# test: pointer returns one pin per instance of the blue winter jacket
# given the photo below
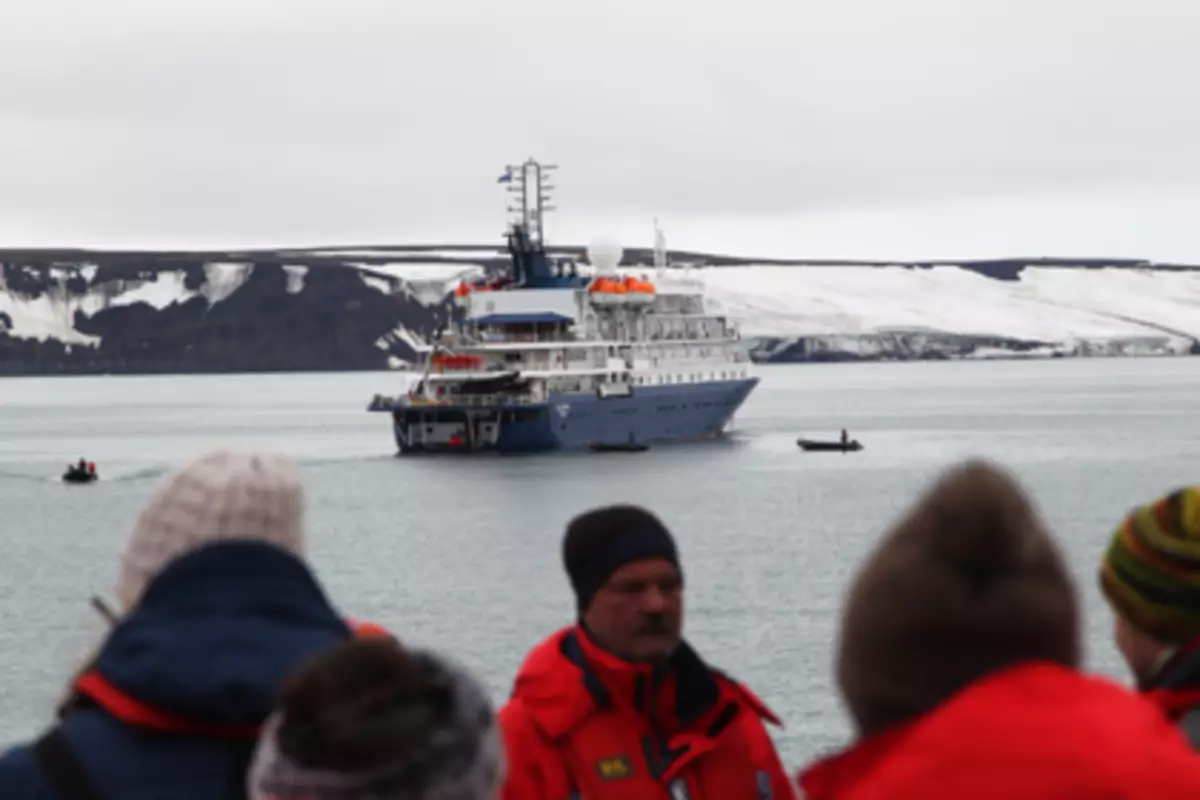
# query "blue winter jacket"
(207, 648)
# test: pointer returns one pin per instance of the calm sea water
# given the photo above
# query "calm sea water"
(464, 554)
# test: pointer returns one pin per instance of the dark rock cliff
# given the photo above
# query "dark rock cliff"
(329, 318)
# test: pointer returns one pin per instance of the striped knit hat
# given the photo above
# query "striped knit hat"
(1151, 571)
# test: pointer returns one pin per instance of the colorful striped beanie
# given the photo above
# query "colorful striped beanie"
(1151, 571)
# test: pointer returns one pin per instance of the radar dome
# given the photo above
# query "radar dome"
(605, 254)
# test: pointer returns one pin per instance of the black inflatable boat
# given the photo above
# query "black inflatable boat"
(618, 447)
(837, 446)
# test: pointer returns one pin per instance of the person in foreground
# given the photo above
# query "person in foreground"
(1151, 577)
(958, 660)
(369, 720)
(618, 705)
(218, 606)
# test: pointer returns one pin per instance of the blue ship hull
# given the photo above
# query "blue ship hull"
(649, 414)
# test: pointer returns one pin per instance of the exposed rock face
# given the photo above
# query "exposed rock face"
(238, 317)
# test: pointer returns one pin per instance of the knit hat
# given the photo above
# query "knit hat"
(221, 495)
(601, 541)
(371, 721)
(968, 582)
(1151, 571)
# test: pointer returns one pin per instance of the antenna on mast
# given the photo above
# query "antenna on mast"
(660, 252)
(528, 181)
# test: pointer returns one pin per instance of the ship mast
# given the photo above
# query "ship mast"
(660, 252)
(529, 182)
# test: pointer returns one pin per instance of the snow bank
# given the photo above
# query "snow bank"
(483, 252)
(168, 289)
(295, 277)
(222, 280)
(419, 271)
(50, 316)
(1047, 304)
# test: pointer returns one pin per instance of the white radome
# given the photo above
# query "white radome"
(604, 254)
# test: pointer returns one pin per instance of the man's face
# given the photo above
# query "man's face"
(638, 613)
(1142, 654)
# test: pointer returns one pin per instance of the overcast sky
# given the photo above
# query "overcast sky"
(856, 128)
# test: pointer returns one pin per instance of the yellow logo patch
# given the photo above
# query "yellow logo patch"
(614, 768)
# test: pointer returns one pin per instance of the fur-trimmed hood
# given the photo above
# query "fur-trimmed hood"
(966, 583)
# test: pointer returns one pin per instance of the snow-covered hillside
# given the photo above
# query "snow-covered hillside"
(112, 311)
(1053, 305)
(1045, 303)
(803, 313)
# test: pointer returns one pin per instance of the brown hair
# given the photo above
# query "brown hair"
(352, 708)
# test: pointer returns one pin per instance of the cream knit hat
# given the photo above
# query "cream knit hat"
(221, 495)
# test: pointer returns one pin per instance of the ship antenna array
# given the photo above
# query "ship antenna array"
(528, 181)
(660, 251)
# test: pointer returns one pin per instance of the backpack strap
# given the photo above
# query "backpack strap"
(71, 781)
(68, 777)
(240, 755)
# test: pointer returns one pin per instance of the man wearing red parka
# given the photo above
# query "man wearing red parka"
(618, 705)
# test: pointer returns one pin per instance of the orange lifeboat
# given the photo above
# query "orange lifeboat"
(641, 292)
(607, 291)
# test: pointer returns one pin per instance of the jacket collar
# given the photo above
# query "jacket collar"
(676, 692)
(1175, 687)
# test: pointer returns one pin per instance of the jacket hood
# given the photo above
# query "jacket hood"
(967, 583)
(217, 632)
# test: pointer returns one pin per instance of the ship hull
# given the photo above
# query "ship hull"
(647, 415)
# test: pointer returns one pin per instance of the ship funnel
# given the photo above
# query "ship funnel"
(604, 254)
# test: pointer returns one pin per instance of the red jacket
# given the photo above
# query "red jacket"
(1027, 733)
(577, 727)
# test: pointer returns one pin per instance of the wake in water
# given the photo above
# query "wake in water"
(128, 474)
(107, 476)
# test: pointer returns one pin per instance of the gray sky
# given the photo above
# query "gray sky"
(861, 128)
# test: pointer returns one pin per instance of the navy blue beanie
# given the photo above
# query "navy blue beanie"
(600, 542)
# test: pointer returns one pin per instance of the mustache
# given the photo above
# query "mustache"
(655, 624)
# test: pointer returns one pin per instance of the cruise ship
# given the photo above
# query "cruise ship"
(547, 357)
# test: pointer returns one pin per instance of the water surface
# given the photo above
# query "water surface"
(464, 553)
